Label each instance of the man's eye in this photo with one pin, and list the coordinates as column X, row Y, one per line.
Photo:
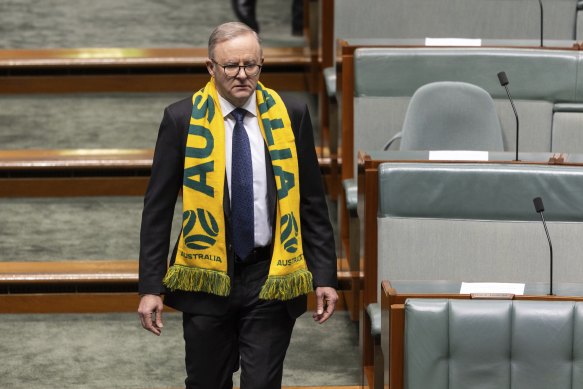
column 231, row 67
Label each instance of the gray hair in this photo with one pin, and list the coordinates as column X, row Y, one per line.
column 227, row 31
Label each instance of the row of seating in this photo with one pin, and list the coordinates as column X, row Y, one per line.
column 464, row 343
column 83, row 70
column 430, row 221
column 404, row 22
column 370, row 129
column 373, row 99
column 546, row 84
column 515, row 20
column 81, row 172
column 378, row 85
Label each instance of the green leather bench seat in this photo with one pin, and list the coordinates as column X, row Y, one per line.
column 480, row 191
column 486, row 19
column 386, row 78
column 534, row 74
column 451, row 344
column 477, row 222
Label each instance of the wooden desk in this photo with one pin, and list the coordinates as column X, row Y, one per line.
column 135, row 69
column 345, row 79
column 395, row 293
column 80, row 172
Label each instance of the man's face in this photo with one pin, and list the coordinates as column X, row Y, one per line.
column 242, row 50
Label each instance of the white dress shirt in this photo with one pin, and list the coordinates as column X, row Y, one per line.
column 262, row 217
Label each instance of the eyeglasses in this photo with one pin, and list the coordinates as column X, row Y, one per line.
column 251, row 69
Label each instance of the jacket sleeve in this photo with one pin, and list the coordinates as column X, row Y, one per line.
column 159, row 202
column 317, row 234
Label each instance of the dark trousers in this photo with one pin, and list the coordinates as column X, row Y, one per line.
column 245, row 10
column 254, row 333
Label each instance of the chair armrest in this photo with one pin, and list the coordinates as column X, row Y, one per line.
column 330, row 81
column 351, row 195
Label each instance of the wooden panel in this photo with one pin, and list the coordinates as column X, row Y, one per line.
column 93, row 271
column 39, row 173
column 133, row 57
column 89, row 302
column 69, row 271
column 327, row 23
column 397, row 346
column 347, row 92
column 75, row 158
column 370, row 231
column 70, row 303
column 100, row 159
column 73, row 186
column 369, row 376
column 288, row 81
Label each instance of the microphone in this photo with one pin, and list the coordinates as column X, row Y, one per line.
column 504, row 82
column 540, row 3
column 539, row 207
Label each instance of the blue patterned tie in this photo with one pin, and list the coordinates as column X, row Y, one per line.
column 242, row 214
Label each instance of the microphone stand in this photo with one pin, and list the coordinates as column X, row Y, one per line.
column 540, row 3
column 516, row 116
column 551, row 249
column 539, row 208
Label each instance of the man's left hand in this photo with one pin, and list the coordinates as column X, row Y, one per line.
column 326, row 299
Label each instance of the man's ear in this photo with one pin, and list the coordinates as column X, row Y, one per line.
column 210, row 66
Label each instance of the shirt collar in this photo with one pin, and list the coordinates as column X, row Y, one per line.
column 250, row 105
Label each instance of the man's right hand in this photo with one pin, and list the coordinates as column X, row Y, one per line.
column 150, row 312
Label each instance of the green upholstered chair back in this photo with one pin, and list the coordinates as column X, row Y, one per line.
column 486, row 19
column 451, row 116
column 460, row 344
column 477, row 222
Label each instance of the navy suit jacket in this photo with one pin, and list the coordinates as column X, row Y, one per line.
column 164, row 187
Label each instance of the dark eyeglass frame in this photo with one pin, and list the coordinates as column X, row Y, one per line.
column 245, row 69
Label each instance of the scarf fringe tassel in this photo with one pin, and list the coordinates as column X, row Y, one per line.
column 193, row 279
column 287, row 287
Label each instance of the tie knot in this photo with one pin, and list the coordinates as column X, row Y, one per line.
column 239, row 114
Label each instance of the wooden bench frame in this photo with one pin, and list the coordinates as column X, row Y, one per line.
column 81, row 172
column 393, row 325
column 81, row 281
column 368, row 199
column 137, row 70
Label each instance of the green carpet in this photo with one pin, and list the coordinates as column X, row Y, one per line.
column 100, row 120
column 29, row 24
column 106, row 351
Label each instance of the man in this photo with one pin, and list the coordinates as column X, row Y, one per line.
column 255, row 235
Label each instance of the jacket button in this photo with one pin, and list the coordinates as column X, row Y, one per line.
column 230, row 247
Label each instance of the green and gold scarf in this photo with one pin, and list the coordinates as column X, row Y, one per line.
column 201, row 259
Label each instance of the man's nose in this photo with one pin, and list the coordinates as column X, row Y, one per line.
column 241, row 72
